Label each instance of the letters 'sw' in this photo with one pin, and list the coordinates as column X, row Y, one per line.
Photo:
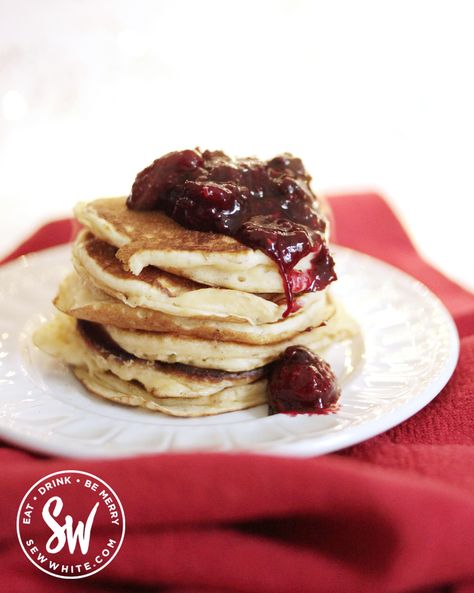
column 66, row 533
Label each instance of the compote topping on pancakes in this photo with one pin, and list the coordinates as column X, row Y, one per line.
column 302, row 383
column 266, row 205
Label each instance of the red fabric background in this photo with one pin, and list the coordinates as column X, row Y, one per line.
column 393, row 514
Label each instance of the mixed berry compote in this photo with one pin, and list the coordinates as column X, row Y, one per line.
column 266, row 205
column 301, row 382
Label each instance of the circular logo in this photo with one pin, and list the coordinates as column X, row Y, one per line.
column 70, row 524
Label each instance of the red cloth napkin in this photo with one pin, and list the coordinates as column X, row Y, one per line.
column 393, row 514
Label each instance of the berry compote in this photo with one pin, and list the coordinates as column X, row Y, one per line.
column 267, row 205
column 301, row 382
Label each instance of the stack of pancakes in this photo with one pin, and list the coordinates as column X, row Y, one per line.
column 175, row 320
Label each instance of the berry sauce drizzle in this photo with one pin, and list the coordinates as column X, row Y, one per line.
column 302, row 383
column 266, row 205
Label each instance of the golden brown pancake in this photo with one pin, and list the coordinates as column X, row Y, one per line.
column 80, row 299
column 228, row 356
column 105, row 254
column 83, row 347
column 136, row 230
column 152, row 238
column 96, row 262
column 111, row 387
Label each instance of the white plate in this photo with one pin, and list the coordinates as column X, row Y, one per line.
column 407, row 353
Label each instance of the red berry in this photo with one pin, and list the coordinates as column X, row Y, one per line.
column 301, row 382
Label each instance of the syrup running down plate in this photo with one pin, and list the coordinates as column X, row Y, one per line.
column 407, row 350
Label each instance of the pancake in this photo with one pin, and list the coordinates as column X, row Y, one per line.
column 113, row 388
column 62, row 339
column 96, row 262
column 80, row 299
column 82, row 346
column 228, row 356
column 152, row 239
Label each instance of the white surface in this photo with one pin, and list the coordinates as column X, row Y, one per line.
column 408, row 352
column 369, row 93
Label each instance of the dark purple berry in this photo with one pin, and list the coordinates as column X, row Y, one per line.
column 301, row 382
